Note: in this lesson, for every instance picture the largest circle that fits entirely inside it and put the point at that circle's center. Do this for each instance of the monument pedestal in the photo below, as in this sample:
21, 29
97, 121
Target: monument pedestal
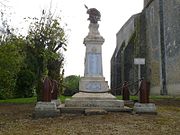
45, 109
81, 102
93, 85
100, 100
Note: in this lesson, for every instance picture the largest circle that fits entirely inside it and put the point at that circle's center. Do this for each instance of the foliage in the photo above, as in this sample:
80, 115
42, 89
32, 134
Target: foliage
24, 61
63, 98
11, 59
45, 42
71, 85
11, 54
25, 84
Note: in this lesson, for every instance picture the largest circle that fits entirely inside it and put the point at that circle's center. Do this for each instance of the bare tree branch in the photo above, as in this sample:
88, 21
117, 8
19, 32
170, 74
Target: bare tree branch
2, 4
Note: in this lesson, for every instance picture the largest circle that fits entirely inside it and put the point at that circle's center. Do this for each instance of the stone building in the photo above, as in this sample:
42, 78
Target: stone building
153, 34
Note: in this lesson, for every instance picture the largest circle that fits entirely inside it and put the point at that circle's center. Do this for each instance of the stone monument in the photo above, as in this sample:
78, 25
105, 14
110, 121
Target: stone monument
93, 80
93, 89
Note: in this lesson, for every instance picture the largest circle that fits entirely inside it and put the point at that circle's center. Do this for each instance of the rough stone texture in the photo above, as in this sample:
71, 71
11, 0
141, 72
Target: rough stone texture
172, 44
153, 44
145, 108
45, 109
164, 46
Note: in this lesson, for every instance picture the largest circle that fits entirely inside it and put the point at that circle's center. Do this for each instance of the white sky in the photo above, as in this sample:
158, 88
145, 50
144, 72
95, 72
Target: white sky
114, 13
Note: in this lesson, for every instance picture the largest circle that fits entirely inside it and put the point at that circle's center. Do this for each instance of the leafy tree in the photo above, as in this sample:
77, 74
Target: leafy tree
11, 59
11, 53
46, 40
71, 85
25, 84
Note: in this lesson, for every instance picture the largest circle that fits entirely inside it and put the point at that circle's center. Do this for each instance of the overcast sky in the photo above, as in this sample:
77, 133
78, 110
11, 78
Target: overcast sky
114, 13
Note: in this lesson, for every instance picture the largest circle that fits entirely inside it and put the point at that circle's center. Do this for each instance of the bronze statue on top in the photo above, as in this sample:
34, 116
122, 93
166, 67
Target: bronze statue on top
94, 14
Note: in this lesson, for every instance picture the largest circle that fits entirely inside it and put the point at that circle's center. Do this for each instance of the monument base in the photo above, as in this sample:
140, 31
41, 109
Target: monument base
148, 108
81, 102
93, 85
94, 100
45, 109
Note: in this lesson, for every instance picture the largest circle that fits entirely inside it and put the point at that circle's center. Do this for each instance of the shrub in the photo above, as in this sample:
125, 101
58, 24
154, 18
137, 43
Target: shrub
25, 84
71, 85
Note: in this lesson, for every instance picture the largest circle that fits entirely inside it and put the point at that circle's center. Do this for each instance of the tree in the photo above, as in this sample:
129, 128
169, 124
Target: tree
71, 85
11, 60
46, 40
25, 84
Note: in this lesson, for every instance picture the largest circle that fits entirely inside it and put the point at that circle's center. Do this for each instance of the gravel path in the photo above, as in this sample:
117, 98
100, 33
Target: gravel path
16, 120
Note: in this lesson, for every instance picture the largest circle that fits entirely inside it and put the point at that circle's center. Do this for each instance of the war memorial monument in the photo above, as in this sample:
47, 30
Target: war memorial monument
93, 89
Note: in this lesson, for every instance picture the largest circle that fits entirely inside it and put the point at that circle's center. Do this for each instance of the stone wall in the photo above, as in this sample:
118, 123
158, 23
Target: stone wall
118, 60
172, 44
147, 3
153, 59
163, 46
154, 35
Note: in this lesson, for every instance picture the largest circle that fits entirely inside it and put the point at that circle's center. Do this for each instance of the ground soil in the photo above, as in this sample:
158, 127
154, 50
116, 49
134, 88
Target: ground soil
17, 120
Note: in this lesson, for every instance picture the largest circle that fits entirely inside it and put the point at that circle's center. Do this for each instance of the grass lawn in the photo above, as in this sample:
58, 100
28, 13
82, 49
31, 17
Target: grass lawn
20, 100
31, 100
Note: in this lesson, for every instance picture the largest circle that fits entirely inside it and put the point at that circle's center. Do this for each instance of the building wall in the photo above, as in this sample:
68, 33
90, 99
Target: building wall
172, 44
154, 35
153, 59
118, 59
147, 2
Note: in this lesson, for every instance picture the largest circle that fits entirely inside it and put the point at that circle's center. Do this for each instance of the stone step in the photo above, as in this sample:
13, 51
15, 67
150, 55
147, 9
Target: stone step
93, 96
81, 110
94, 103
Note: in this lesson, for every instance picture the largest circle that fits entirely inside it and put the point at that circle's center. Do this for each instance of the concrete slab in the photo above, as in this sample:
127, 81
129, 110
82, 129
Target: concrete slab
148, 108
